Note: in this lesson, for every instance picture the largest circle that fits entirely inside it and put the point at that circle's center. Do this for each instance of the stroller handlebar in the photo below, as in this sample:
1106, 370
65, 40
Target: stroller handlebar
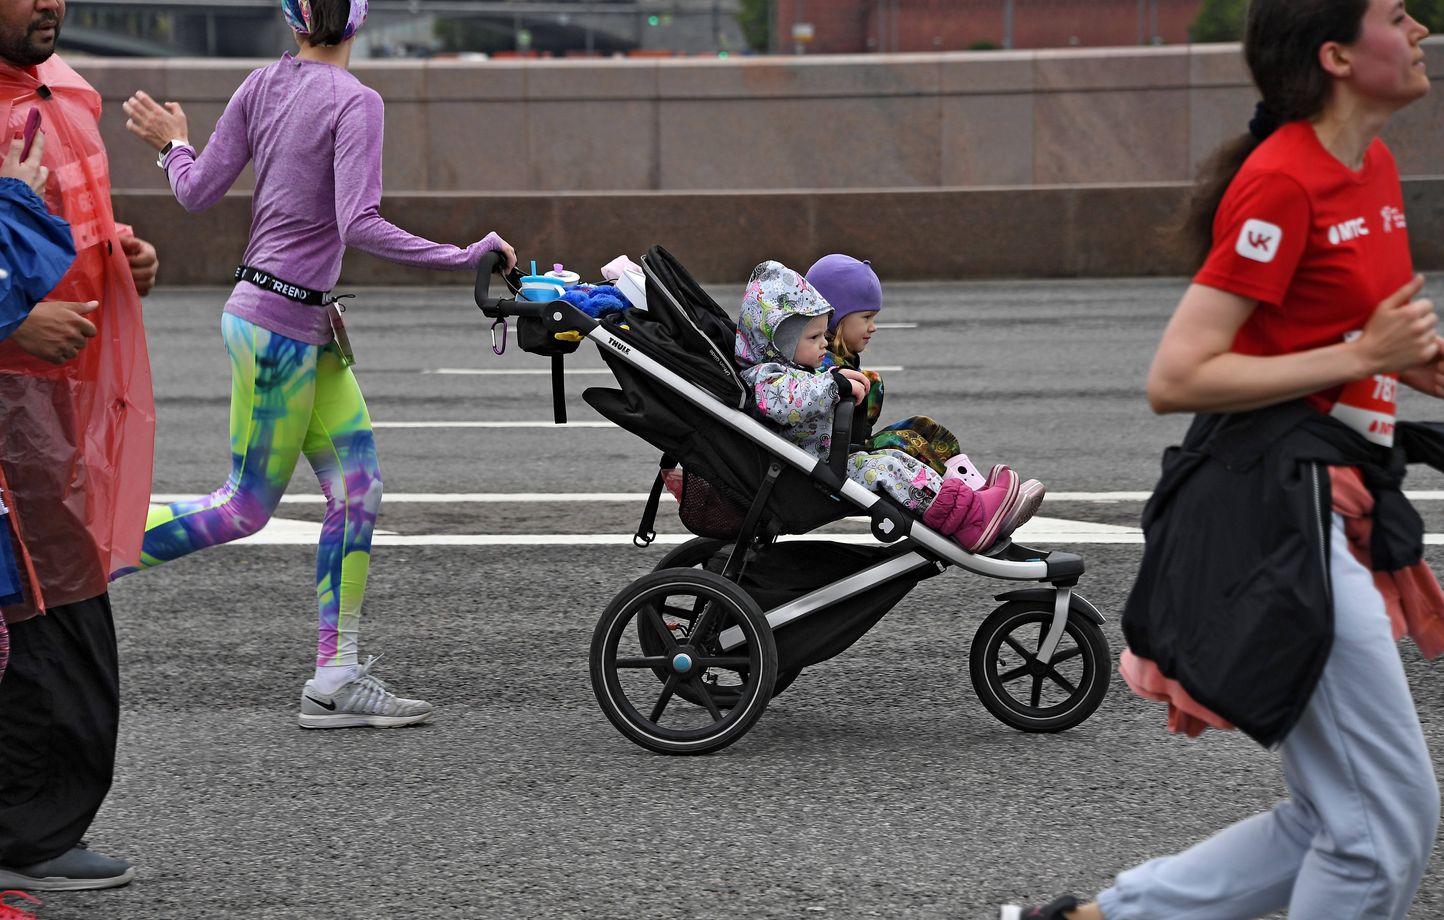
491, 263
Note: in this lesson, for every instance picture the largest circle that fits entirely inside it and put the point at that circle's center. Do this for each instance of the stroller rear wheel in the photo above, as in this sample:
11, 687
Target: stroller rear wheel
695, 553
708, 645
1020, 690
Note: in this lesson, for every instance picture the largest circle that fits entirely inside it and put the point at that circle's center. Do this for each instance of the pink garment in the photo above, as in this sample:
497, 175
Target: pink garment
76, 440
1412, 596
1185, 714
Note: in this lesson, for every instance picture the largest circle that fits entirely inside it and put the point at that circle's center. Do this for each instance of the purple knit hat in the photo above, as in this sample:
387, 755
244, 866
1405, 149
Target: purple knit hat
849, 285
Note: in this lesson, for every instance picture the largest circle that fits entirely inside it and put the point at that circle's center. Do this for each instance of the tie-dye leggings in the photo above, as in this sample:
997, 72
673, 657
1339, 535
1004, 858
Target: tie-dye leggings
289, 398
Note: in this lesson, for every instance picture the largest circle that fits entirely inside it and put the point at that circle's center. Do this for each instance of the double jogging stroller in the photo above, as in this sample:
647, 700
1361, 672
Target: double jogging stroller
685, 659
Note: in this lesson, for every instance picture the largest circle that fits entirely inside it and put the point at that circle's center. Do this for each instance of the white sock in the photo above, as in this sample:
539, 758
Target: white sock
330, 678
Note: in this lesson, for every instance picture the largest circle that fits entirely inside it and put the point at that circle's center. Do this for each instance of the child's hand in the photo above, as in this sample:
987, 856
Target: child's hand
860, 384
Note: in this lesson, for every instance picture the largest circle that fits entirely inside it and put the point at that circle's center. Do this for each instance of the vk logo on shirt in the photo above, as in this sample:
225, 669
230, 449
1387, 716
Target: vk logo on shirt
1259, 240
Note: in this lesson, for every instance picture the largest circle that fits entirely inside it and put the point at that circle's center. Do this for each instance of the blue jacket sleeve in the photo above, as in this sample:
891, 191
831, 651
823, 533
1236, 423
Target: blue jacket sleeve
36, 249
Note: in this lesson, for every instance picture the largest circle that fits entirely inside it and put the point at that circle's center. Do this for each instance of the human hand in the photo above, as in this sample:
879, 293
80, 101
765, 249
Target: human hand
1401, 332
144, 263
1427, 378
28, 170
153, 123
493, 243
56, 330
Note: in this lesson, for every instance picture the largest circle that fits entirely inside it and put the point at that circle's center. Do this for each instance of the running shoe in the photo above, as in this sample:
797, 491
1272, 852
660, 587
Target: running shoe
361, 702
77, 869
1030, 499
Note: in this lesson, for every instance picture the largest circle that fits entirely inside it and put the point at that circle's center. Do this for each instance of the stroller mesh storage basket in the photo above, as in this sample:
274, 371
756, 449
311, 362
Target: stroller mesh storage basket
704, 509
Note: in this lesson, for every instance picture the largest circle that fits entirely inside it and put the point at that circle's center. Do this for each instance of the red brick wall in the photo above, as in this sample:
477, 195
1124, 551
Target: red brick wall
850, 26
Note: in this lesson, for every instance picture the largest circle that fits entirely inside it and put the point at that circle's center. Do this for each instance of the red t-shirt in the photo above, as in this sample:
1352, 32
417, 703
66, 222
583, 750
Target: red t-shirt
1318, 245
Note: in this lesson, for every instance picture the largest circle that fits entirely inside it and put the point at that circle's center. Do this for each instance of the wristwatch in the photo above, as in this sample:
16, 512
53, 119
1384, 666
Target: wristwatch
169, 146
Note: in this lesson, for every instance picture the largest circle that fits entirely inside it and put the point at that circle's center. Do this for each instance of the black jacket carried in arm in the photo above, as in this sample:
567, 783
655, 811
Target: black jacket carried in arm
1233, 595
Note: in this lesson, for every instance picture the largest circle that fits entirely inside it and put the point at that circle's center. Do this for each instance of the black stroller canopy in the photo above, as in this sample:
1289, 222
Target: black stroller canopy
684, 330
687, 330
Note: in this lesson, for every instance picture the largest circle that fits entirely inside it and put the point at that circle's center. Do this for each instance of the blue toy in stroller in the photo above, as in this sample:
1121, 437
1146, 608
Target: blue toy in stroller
685, 659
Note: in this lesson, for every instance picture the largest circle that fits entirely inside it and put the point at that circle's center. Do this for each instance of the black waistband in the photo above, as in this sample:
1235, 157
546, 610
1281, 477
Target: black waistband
269, 282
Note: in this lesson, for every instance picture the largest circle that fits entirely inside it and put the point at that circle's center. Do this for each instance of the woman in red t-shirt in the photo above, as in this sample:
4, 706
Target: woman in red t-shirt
1307, 291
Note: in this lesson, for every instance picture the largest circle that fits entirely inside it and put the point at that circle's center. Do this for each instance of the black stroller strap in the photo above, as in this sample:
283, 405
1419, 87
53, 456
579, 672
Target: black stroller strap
559, 396
748, 533
647, 528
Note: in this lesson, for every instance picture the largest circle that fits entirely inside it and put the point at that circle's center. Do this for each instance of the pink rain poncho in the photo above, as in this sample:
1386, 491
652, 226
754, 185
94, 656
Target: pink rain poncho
76, 440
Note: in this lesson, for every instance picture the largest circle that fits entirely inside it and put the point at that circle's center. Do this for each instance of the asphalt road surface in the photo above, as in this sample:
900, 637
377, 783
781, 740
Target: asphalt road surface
877, 786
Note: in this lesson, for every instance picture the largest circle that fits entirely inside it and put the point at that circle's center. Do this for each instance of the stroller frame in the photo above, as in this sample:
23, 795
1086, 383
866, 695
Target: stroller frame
922, 553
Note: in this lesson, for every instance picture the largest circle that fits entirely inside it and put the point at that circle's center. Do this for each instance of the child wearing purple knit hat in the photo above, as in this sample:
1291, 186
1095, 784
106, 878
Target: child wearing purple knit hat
855, 293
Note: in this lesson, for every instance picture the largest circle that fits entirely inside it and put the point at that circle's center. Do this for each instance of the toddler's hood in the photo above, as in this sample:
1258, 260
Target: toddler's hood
775, 293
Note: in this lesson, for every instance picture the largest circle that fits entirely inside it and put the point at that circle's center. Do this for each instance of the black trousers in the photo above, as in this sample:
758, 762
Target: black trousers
59, 717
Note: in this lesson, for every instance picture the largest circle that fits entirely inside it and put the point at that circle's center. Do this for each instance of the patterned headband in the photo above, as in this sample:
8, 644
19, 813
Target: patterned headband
298, 15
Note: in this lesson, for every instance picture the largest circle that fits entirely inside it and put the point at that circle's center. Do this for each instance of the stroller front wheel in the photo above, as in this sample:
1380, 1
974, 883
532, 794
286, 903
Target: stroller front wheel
703, 635
1023, 692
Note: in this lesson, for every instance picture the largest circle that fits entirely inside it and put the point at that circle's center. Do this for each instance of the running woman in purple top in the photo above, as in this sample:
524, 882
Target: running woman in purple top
313, 132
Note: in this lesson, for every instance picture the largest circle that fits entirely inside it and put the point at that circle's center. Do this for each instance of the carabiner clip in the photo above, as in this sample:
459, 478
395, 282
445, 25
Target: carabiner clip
500, 321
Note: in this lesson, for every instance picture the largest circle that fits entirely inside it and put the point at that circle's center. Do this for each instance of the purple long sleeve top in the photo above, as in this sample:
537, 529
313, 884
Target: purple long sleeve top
314, 133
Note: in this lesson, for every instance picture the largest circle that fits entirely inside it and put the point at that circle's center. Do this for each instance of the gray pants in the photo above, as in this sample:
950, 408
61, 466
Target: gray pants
1354, 836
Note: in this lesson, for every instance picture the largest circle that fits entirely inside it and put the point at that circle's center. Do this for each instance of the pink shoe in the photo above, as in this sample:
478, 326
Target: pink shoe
996, 506
955, 507
993, 474
1030, 498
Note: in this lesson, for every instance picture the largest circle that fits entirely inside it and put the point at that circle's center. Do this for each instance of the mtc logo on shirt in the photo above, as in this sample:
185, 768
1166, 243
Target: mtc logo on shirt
1348, 230
1259, 240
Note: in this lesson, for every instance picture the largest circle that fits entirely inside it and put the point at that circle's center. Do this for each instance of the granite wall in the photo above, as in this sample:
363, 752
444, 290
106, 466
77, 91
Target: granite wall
1039, 232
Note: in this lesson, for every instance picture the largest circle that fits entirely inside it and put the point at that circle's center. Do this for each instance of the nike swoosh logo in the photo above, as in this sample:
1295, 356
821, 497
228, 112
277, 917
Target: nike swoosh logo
323, 705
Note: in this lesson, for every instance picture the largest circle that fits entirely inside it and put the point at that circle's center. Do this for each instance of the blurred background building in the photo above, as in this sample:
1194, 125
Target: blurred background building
605, 28
854, 26
415, 28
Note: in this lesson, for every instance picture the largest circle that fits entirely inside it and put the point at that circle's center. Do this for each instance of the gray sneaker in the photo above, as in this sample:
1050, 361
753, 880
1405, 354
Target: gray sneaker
76, 870
361, 702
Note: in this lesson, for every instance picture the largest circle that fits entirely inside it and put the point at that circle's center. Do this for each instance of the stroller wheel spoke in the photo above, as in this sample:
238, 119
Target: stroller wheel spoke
700, 686
1037, 693
686, 614
1073, 652
651, 662
1010, 676
664, 698
730, 664
1061, 681
1015, 646
659, 626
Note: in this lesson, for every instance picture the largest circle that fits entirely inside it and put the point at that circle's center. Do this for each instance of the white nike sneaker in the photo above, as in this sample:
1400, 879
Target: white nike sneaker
361, 702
